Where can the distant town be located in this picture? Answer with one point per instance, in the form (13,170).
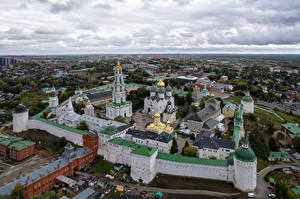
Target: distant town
(150,126)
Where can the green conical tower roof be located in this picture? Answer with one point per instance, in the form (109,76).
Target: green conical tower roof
(244,153)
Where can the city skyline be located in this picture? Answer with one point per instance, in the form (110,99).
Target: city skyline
(45,27)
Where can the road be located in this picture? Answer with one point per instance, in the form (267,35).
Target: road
(262,186)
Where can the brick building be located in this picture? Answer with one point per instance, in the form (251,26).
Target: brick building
(21,150)
(16,148)
(42,179)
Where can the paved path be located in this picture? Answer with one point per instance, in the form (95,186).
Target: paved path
(262,186)
(4,165)
(270,112)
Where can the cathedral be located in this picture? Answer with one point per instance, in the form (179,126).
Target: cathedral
(161,101)
(119,106)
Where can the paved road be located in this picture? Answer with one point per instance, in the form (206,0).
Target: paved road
(4,165)
(262,186)
(270,112)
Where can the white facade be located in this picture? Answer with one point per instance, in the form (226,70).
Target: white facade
(20,120)
(89,109)
(159,99)
(248,103)
(245,175)
(169,113)
(219,154)
(119,106)
(53,102)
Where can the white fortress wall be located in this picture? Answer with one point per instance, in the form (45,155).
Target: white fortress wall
(59,132)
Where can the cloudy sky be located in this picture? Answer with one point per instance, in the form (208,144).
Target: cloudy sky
(149,26)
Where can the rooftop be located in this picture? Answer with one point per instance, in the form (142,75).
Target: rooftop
(137,149)
(191,160)
(293,128)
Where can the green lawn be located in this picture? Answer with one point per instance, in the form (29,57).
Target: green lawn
(234,98)
(101,166)
(267,116)
(288,117)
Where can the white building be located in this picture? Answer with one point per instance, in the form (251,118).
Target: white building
(89,109)
(146,162)
(159,98)
(170,113)
(119,106)
(20,119)
(162,142)
(248,103)
(210,146)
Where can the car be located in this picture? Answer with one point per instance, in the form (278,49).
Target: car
(128,190)
(271,195)
(251,195)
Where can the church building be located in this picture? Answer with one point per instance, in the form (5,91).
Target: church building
(119,106)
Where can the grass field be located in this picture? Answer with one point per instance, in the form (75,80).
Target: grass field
(178,182)
(101,167)
(267,116)
(235,98)
(288,117)
(261,164)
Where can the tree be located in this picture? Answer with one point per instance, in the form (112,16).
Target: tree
(190,151)
(282,191)
(82,126)
(189,98)
(296,144)
(195,108)
(186,144)
(174,147)
(45,114)
(192,137)
(120,119)
(252,117)
(17,193)
(47,195)
(273,144)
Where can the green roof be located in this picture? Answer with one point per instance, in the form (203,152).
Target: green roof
(109,130)
(245,154)
(144,150)
(137,149)
(296,190)
(67,128)
(119,104)
(160,194)
(191,160)
(239,114)
(7,140)
(271,180)
(204,91)
(293,128)
(236,136)
(19,145)
(278,155)
(247,99)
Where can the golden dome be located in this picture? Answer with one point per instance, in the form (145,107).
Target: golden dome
(212,95)
(196,88)
(168,122)
(161,83)
(118,65)
(157,115)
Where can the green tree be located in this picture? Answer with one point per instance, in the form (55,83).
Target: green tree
(273,144)
(296,144)
(82,126)
(186,144)
(190,151)
(195,108)
(17,193)
(192,136)
(120,119)
(45,114)
(174,147)
(189,98)
(282,191)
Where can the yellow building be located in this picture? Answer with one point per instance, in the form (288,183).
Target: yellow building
(229,110)
(159,127)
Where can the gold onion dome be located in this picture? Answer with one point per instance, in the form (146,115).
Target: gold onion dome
(157,115)
(118,65)
(212,95)
(161,83)
(196,88)
(168,122)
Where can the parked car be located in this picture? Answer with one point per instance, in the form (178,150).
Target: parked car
(251,195)
(271,196)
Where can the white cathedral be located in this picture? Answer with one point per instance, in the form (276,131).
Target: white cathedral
(161,101)
(119,106)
